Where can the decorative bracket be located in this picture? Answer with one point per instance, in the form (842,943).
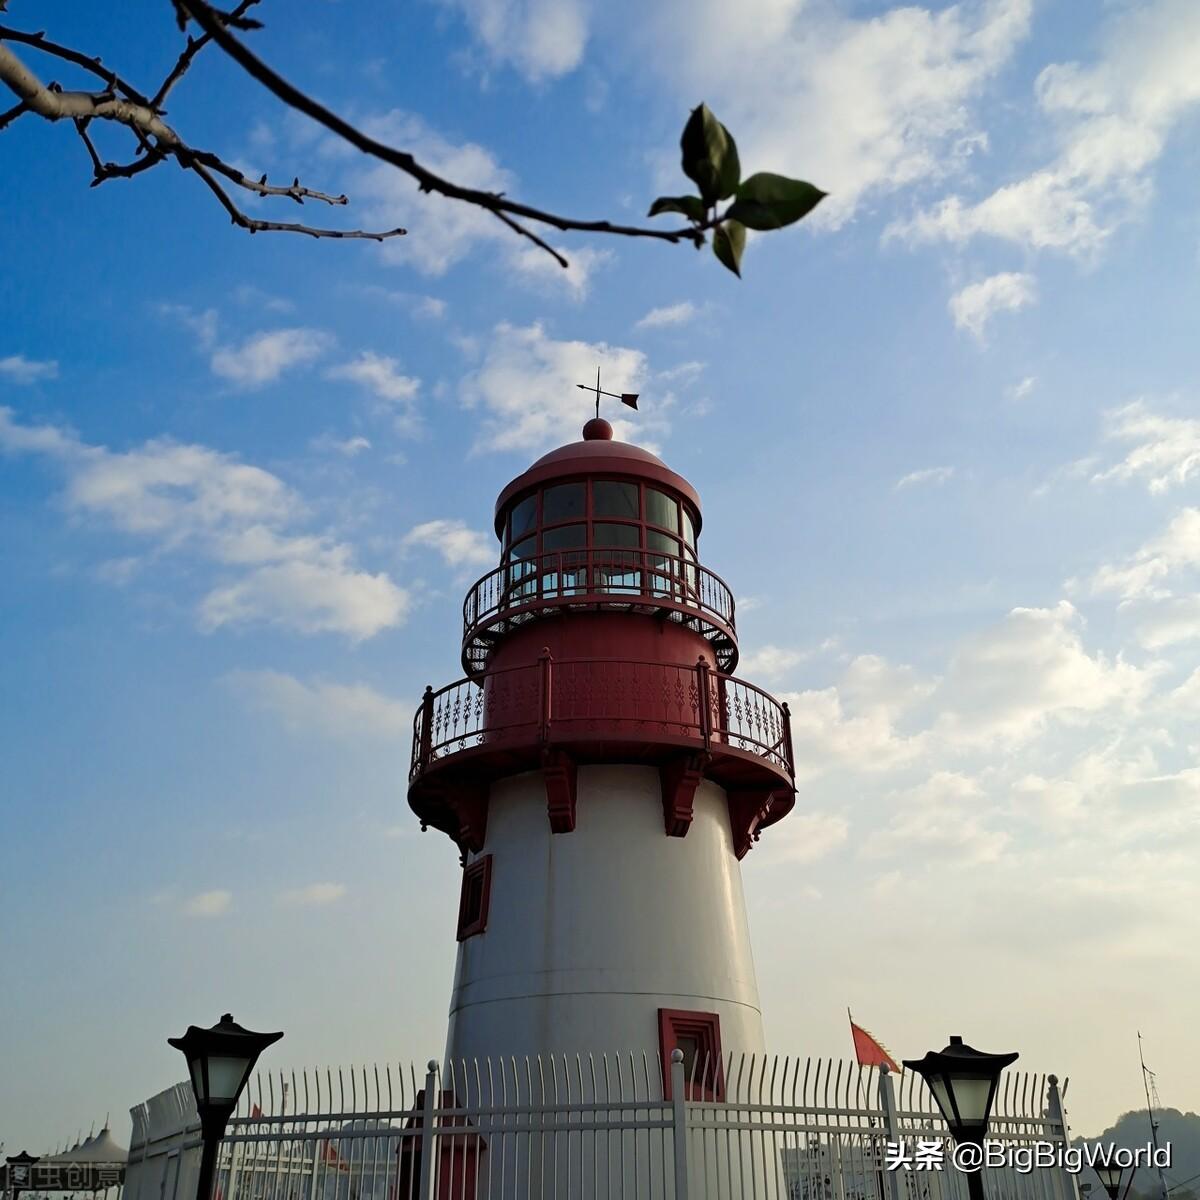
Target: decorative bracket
(468,801)
(680,776)
(747,811)
(558,772)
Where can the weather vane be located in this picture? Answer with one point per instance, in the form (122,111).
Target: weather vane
(629,398)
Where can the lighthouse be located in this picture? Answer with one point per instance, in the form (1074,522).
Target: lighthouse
(603,772)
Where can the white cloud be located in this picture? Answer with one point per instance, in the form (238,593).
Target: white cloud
(339,710)
(1144,574)
(934,475)
(16,368)
(944,817)
(669,315)
(1165,453)
(854,724)
(442,232)
(805,837)
(238,517)
(1007,682)
(977,303)
(202,325)
(1113,119)
(1024,388)
(525,387)
(768,661)
(314,895)
(536,266)
(457,544)
(380,375)
(349,447)
(542,39)
(321,596)
(209,904)
(264,357)
(859,105)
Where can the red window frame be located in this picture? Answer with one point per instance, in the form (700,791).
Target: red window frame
(472,922)
(705,1027)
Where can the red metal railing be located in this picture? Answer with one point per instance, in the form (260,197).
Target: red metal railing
(558,699)
(520,589)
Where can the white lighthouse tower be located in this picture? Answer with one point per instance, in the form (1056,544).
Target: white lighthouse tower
(603,773)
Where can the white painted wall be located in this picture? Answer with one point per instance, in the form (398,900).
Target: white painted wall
(590,933)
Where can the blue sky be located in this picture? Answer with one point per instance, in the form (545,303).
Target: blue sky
(945,433)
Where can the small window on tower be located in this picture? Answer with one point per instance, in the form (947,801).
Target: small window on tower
(473,901)
(698,1036)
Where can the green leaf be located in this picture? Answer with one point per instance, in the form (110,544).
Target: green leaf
(692,207)
(710,157)
(729,240)
(766,201)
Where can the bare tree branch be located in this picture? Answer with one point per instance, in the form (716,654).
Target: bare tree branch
(13,113)
(194,46)
(39,42)
(156,139)
(213,23)
(240,219)
(120,103)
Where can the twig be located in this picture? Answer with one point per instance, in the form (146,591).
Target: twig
(251,225)
(13,113)
(194,46)
(212,23)
(81,124)
(293,192)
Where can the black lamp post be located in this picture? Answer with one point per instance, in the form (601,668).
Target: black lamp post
(1109,1175)
(963,1082)
(219,1061)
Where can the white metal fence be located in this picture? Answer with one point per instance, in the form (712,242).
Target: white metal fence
(586,1128)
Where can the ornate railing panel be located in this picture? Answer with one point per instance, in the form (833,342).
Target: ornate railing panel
(522,589)
(557,699)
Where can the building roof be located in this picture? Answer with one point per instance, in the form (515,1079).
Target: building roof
(596,454)
(99,1149)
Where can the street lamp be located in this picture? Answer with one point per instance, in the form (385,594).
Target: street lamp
(219,1061)
(963,1082)
(1109,1174)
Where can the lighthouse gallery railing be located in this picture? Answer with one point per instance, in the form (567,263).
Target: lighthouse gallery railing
(556,699)
(602,576)
(590,1127)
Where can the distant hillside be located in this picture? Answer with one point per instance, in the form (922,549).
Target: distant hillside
(1181,1130)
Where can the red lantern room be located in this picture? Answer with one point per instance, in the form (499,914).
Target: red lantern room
(600,638)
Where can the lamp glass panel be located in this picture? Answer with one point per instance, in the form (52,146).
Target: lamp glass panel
(937,1085)
(562,502)
(565,537)
(610,498)
(197,1070)
(972,1097)
(225,1077)
(610,534)
(524,517)
(662,510)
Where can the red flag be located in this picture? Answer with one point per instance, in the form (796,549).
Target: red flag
(255,1113)
(868,1051)
(333,1158)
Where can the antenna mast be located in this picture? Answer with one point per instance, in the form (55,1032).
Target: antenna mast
(1147,1083)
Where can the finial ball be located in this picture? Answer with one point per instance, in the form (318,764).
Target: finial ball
(597,430)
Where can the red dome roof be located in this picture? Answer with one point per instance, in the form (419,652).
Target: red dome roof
(597,456)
